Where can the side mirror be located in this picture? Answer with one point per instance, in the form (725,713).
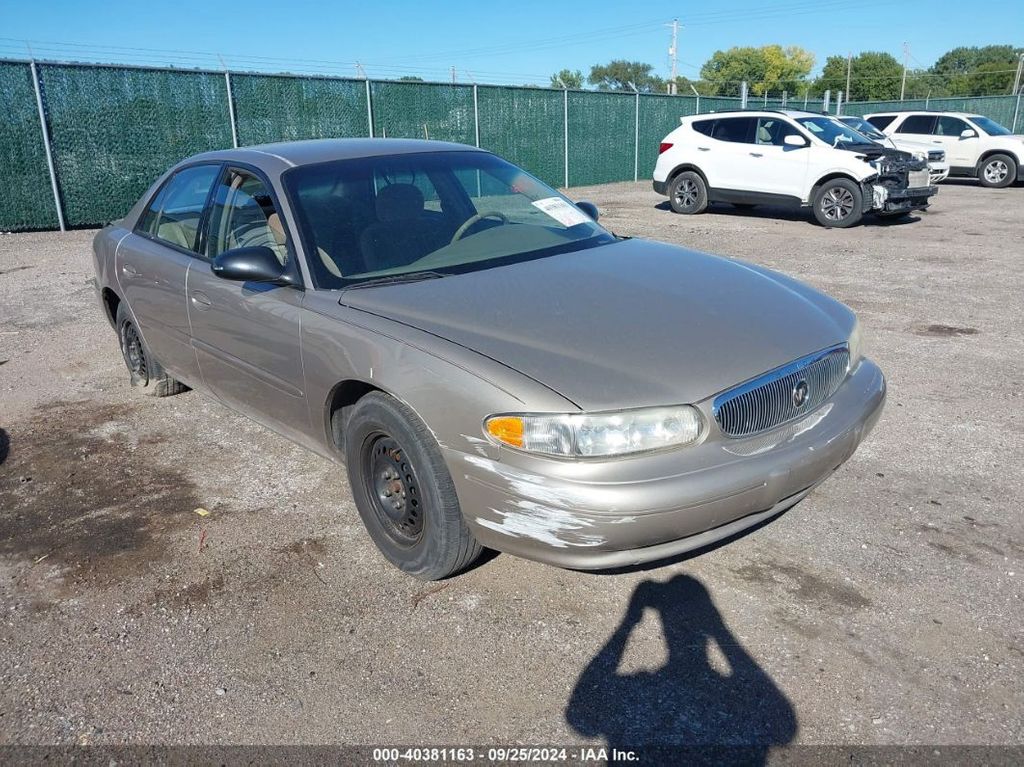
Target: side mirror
(589,208)
(793,139)
(255,264)
(968,133)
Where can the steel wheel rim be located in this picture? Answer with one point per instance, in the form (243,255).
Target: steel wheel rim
(837,203)
(687,193)
(134,356)
(392,486)
(996,171)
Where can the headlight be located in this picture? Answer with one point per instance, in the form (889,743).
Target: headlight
(595,435)
(854,342)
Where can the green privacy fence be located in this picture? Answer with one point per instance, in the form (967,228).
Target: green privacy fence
(109,131)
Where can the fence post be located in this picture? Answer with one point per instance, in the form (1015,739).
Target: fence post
(476,116)
(839,103)
(231,110)
(49,149)
(636,140)
(826,101)
(369,107)
(743,95)
(1016,112)
(565,131)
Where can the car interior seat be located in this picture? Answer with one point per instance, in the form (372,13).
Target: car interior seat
(401,234)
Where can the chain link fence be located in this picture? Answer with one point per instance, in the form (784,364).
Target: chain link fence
(108,131)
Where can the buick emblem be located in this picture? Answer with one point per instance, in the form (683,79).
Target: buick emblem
(800,393)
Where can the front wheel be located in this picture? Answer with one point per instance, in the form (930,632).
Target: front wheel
(997,171)
(403,490)
(688,193)
(838,203)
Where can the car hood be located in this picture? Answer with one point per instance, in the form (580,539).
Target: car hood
(627,324)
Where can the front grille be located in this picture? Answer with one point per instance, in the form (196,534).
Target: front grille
(771,399)
(936,155)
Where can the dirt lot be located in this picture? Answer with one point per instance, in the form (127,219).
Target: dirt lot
(885,608)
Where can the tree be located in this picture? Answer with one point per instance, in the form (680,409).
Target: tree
(567,78)
(619,74)
(769,68)
(874,76)
(976,71)
(410,79)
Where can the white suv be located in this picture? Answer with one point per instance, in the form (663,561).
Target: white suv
(975,145)
(787,158)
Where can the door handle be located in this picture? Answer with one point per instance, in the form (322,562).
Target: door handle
(756,154)
(201,301)
(704,148)
(936,142)
(129,270)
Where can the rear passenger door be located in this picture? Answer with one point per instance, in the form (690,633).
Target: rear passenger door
(730,163)
(246,334)
(152,264)
(916,128)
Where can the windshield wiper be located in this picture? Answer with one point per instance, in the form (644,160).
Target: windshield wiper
(394,279)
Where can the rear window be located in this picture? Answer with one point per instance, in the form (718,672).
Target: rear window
(882,121)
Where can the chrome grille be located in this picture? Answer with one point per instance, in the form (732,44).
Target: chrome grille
(770,400)
(936,155)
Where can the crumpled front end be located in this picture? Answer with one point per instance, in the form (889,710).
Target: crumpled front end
(901,184)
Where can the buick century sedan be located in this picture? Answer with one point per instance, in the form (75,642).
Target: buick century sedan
(493,367)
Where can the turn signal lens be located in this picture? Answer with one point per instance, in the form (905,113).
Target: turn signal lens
(507,430)
(664,147)
(598,435)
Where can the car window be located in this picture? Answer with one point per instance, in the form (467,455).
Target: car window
(735,129)
(950,126)
(371,218)
(773,131)
(243,215)
(175,212)
(704,126)
(882,121)
(990,126)
(917,124)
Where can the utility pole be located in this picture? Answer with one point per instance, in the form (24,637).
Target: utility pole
(1020,69)
(672,52)
(849,66)
(906,57)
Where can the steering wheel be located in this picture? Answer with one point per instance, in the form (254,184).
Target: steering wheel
(475,218)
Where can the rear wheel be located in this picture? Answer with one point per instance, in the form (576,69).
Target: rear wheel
(403,490)
(997,171)
(145,371)
(688,193)
(838,203)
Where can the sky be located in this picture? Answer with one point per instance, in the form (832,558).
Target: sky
(519,41)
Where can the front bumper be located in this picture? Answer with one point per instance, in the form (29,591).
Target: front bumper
(637,510)
(887,199)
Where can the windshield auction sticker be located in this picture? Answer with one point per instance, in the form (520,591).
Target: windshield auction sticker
(561,211)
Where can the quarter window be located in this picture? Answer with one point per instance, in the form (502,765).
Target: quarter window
(243,216)
(704,126)
(922,124)
(174,214)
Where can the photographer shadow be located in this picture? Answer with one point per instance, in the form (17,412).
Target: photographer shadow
(694,708)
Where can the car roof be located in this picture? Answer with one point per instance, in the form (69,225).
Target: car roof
(756,112)
(289,154)
(923,112)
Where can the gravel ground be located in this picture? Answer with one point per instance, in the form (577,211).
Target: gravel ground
(884,609)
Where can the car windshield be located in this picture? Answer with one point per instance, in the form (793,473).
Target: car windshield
(400,216)
(863,127)
(833,132)
(991,127)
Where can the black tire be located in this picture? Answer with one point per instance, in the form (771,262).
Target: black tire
(997,171)
(687,193)
(838,203)
(145,371)
(403,490)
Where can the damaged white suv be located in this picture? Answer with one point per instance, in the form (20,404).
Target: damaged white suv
(787,158)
